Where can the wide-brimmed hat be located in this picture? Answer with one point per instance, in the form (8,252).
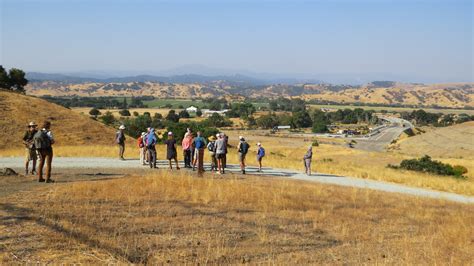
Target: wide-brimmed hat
(212,138)
(241,138)
(121,127)
(259,144)
(32,124)
(143,134)
(170,133)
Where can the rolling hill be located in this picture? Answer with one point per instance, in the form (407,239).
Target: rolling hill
(452,95)
(69,128)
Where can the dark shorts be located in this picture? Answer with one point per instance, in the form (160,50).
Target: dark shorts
(220,156)
(242,156)
(170,156)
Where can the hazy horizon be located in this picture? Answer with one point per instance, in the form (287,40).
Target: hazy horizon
(334,41)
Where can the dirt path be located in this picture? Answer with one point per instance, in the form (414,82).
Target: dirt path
(100,165)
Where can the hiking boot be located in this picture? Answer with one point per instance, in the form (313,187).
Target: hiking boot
(243,172)
(49,181)
(41,180)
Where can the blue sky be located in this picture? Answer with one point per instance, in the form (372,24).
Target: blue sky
(426,41)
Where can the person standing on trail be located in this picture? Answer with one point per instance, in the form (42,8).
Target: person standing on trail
(226,144)
(307,160)
(211,147)
(120,140)
(44,140)
(186,144)
(150,145)
(31,154)
(199,145)
(220,152)
(260,155)
(242,148)
(171,150)
(141,146)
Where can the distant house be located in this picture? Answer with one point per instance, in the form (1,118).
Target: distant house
(191,109)
(208,113)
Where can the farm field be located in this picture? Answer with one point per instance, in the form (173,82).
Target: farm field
(392,109)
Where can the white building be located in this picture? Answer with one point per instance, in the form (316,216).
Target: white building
(208,113)
(191,109)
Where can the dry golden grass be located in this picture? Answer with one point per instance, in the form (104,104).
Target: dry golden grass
(68,127)
(176,218)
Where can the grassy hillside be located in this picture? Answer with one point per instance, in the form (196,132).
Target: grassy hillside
(69,128)
(449,142)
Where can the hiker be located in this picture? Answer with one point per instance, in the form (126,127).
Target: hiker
(307,160)
(226,143)
(44,140)
(141,146)
(242,148)
(150,145)
(171,150)
(260,155)
(199,145)
(120,139)
(186,145)
(31,154)
(220,152)
(211,147)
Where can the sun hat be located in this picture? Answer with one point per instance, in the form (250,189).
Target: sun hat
(241,137)
(32,124)
(143,134)
(170,133)
(212,138)
(121,127)
(218,135)
(259,144)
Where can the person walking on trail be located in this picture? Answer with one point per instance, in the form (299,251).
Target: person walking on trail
(44,141)
(141,146)
(150,145)
(171,150)
(242,148)
(307,160)
(220,152)
(199,144)
(186,144)
(211,147)
(30,149)
(120,140)
(260,155)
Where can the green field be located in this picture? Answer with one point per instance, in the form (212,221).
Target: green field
(159,103)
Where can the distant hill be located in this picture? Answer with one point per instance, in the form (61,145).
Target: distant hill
(451,95)
(69,128)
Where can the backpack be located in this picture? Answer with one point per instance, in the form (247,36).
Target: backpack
(244,147)
(199,142)
(261,152)
(141,142)
(211,146)
(41,140)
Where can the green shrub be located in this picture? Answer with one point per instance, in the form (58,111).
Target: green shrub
(315,143)
(427,165)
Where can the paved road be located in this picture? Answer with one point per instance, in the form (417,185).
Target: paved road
(98,163)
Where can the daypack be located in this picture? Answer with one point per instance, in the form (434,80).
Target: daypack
(261,152)
(42,140)
(211,146)
(140,142)
(119,137)
(244,147)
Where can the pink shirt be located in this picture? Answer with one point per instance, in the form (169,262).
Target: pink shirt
(187,142)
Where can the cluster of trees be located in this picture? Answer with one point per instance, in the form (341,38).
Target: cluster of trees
(426,164)
(215,104)
(98,102)
(171,122)
(423,118)
(13,80)
(241,110)
(318,120)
